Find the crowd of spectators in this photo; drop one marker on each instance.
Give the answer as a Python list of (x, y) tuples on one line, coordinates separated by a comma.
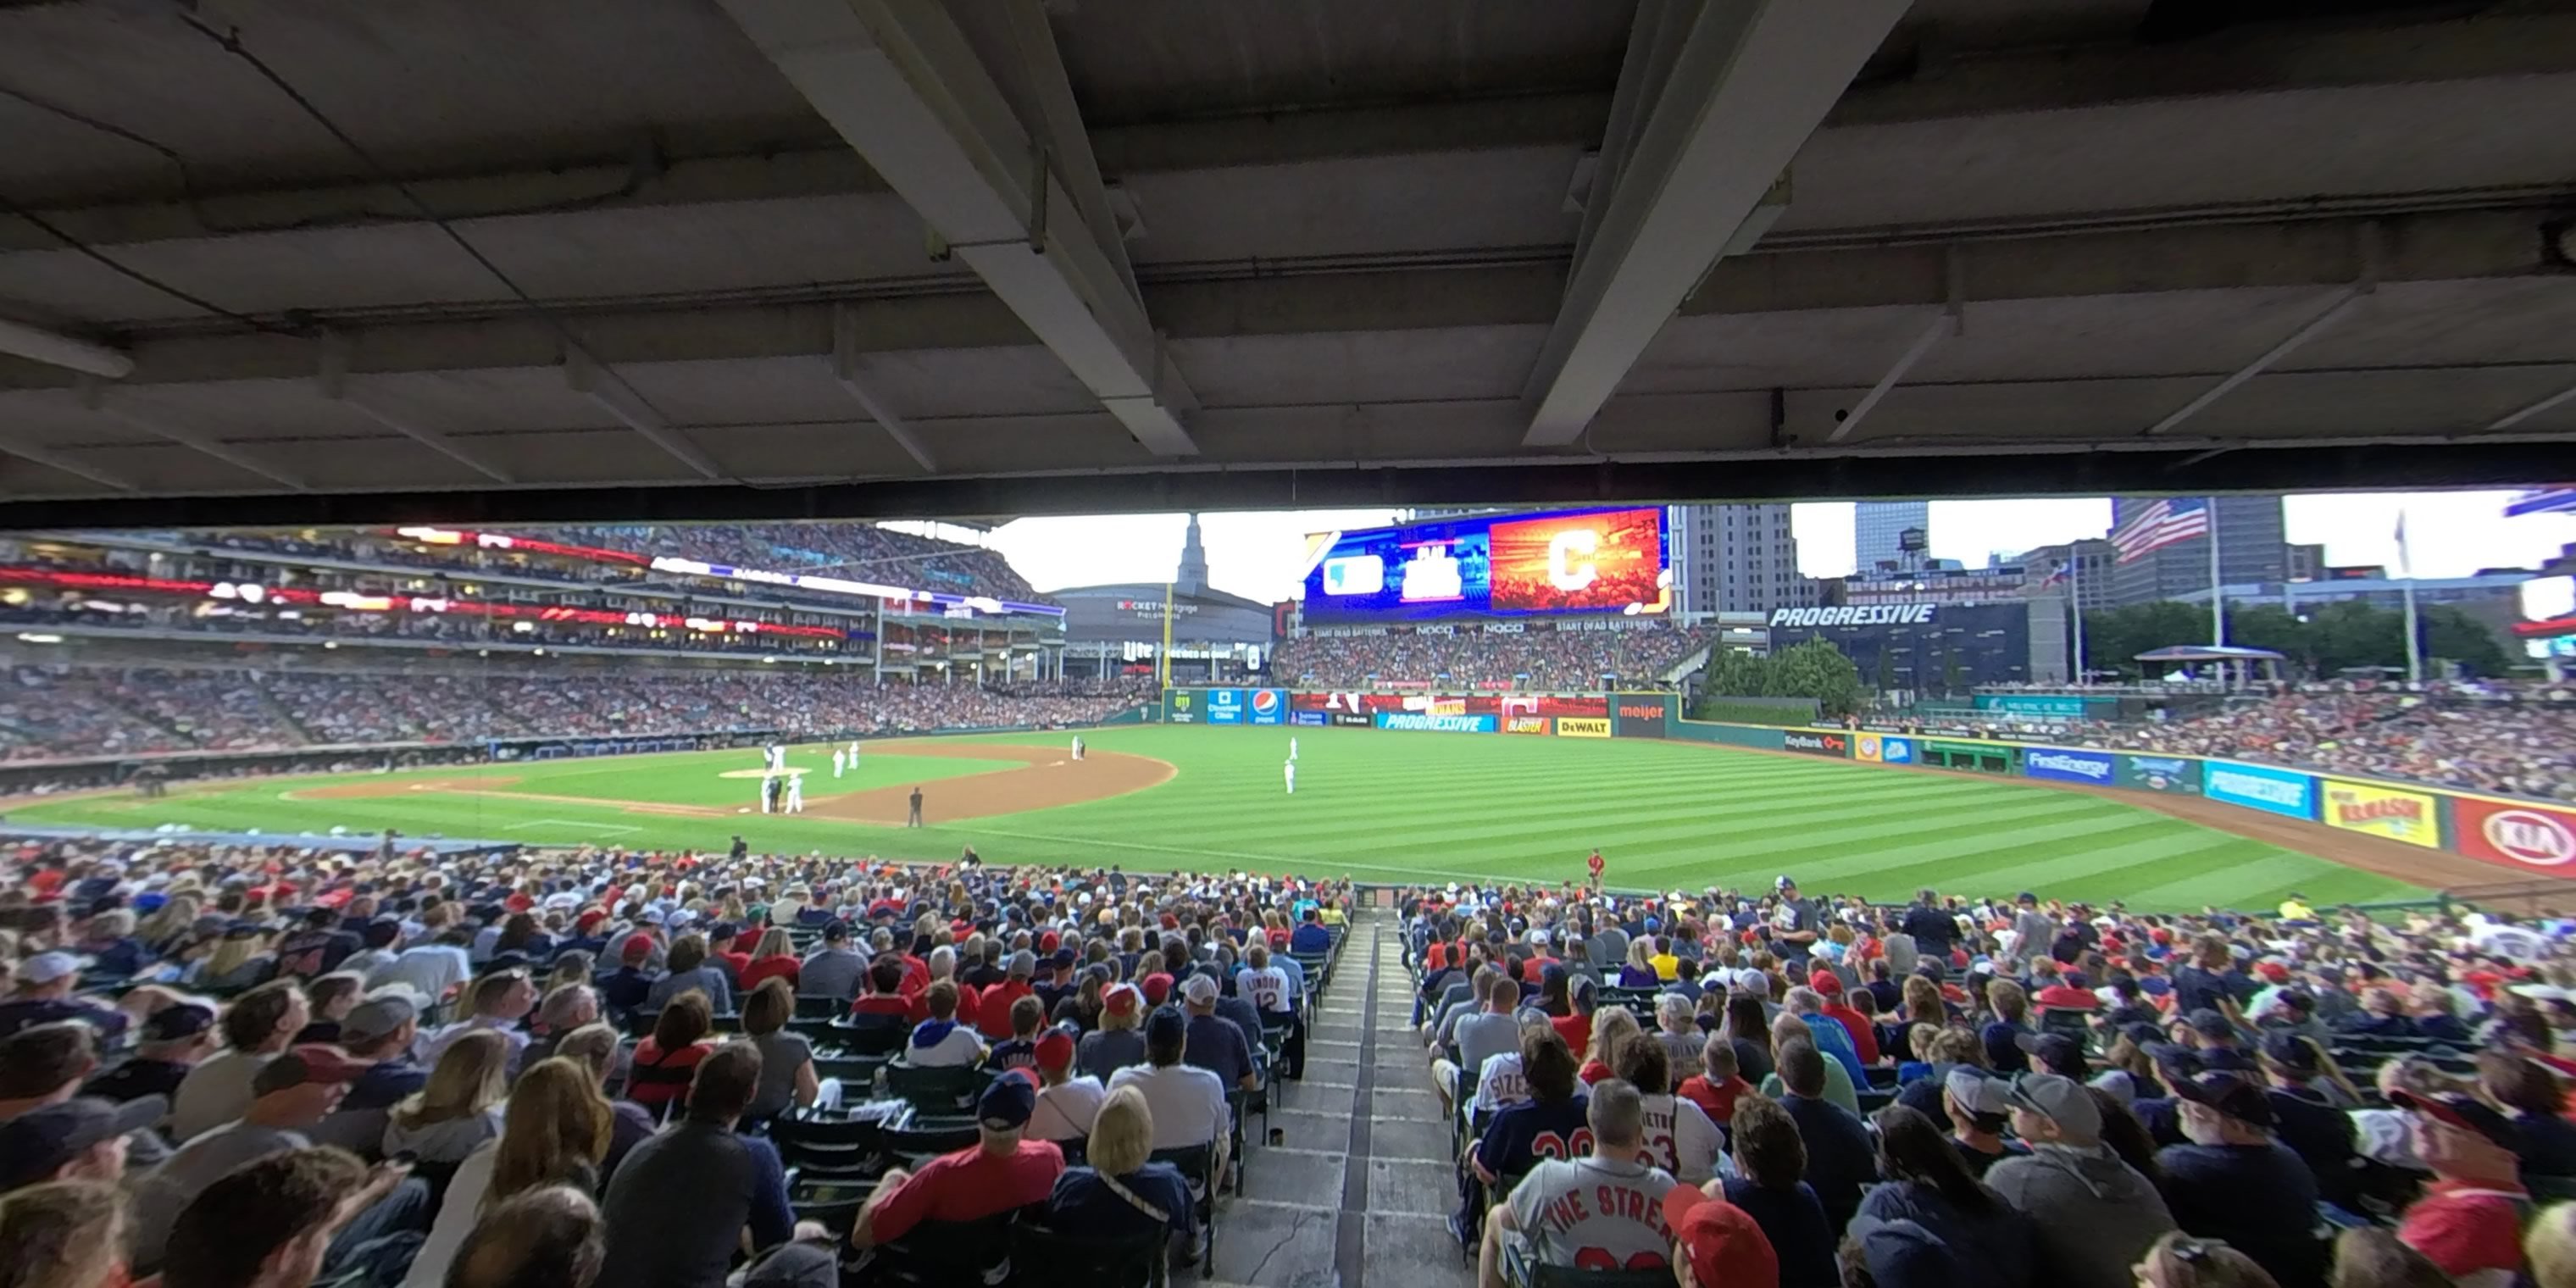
[(2520, 743), (1534, 659), (857, 551), (1772, 1088), (68, 712), (589, 1066)]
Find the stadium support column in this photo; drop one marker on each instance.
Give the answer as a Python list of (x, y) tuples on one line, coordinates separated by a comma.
[(2217, 585), (1713, 100)]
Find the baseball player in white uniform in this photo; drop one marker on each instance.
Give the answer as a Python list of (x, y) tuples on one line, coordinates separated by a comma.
[(796, 794), (1292, 777), (1292, 748), (838, 761), (764, 793)]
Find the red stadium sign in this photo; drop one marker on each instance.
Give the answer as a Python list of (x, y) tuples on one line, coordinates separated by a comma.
[(2523, 836)]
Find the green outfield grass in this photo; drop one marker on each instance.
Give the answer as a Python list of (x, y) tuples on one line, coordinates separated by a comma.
[(1391, 806)]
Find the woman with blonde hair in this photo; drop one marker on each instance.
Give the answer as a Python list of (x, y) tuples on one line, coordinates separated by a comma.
[(1612, 1026), (459, 1108), (171, 924), (239, 960), (63, 1234), (555, 1132), (1117, 1193), (775, 958)]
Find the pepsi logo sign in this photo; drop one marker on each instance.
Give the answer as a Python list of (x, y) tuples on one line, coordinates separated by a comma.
[(2528, 836), (1265, 700)]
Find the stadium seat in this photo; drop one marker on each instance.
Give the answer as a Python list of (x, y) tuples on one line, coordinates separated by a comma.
[(935, 1091), (1041, 1254), (819, 1143), (818, 1006), (1521, 1272), (1197, 1165), (918, 1137), (937, 1254), (834, 1202)]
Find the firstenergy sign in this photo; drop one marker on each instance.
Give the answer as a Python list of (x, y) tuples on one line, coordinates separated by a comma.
[(1855, 615)]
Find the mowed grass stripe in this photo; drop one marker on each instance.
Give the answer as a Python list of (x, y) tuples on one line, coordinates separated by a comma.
[(1389, 806)]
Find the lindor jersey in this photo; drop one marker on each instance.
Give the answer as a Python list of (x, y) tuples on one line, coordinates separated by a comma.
[(1595, 1214)]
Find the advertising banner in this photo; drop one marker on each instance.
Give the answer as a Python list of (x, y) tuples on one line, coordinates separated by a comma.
[(2412, 817), (1182, 706), (1639, 715), (1816, 742), (2019, 705), (1426, 722), (2274, 791), (1546, 705), (2530, 836), (1351, 720), (1269, 707), (1225, 706), (1309, 719), (1582, 727), (2066, 765), (1524, 724), (1883, 749), (1563, 562), (2176, 775)]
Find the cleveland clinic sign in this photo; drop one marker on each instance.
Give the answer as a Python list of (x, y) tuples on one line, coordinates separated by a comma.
[(1855, 615)]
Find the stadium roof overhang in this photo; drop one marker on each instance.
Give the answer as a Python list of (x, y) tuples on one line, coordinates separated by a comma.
[(875, 257)]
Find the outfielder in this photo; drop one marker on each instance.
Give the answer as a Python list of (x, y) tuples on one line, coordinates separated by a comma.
[(1292, 748), (1292, 777)]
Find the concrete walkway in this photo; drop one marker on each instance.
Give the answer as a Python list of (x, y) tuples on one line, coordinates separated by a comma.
[(1359, 1189)]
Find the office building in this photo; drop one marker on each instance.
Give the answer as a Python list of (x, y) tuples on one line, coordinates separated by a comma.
[(2250, 549), (2090, 579), (1736, 559), (1878, 534)]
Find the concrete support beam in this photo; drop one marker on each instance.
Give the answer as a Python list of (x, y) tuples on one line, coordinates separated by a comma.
[(333, 383), (847, 363), (96, 398), (897, 79), (1747, 86), (620, 400), (112, 480), (2259, 58)]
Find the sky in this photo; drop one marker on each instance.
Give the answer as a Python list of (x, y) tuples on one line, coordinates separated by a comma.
[(1260, 554)]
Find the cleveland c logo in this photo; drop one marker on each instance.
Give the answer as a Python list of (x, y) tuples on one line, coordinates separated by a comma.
[(1563, 549)]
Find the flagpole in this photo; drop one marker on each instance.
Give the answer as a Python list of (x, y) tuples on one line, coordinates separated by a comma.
[(2075, 603), (2217, 588), (2414, 633)]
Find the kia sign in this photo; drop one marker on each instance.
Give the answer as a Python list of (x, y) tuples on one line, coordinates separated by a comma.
[(2063, 765), (2273, 791), (1818, 744), (1855, 615), (1269, 707), (2526, 836)]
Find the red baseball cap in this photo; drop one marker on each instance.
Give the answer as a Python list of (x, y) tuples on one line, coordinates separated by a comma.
[(1122, 1000), (1723, 1243), (1055, 1050), (636, 948), (1827, 983)]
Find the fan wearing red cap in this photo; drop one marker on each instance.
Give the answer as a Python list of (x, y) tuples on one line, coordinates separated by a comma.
[(1066, 1104), (2469, 1221), (1864, 1034), (1715, 1243)]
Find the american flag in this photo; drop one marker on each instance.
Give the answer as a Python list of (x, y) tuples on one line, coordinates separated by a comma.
[(2162, 524)]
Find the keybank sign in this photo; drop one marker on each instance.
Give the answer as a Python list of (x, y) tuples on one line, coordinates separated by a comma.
[(1855, 615)]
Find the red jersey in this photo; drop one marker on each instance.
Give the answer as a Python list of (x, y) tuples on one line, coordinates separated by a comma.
[(995, 1007), (2467, 1226), (780, 966), (970, 1185), (1575, 1029), (1715, 1100)]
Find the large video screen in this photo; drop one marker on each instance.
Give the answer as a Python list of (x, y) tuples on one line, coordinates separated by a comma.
[(1507, 565)]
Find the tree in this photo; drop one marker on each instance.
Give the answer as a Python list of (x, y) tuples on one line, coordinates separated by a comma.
[(1886, 668), (2454, 636), (2325, 639), (1816, 669)]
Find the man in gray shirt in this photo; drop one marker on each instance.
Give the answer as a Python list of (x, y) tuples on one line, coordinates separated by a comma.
[(833, 970), (1488, 1031), (289, 1095)]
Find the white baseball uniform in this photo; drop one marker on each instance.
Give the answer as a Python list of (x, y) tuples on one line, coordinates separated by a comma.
[(796, 794), (1292, 777), (1292, 748), (838, 760)]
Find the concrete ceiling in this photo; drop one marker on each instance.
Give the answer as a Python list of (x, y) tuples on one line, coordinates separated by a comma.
[(697, 258)]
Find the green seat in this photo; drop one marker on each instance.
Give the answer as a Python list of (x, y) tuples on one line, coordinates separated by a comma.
[(936, 1091)]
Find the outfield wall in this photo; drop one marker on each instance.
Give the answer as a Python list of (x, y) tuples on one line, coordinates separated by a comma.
[(2530, 837)]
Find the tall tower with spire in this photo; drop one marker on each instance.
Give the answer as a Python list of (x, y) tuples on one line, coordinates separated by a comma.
[(1193, 575)]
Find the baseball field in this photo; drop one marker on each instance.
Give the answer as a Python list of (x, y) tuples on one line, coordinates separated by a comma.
[(1378, 806)]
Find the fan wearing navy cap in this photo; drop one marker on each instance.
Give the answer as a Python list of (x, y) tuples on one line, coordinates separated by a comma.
[(1187, 1102), (82, 1139), (174, 1039), (2234, 1181), (1002, 1171), (2469, 1221), (2310, 1124)]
